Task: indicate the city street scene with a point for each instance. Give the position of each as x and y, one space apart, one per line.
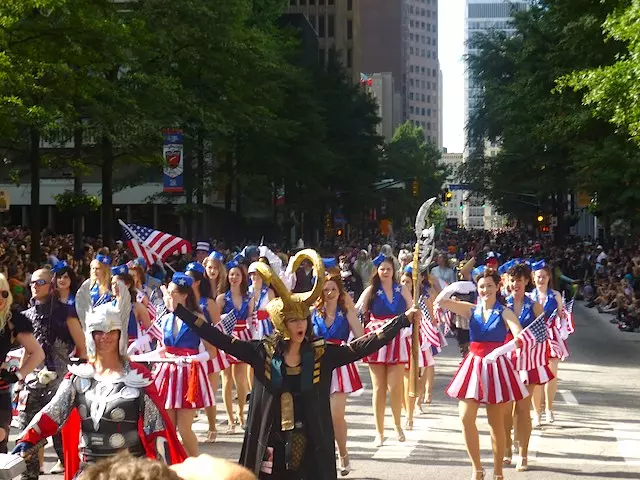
319 239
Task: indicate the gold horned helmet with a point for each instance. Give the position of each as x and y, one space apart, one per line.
289 305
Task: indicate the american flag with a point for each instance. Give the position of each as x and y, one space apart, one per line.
427 329
156 301
154 331
568 314
227 322
153 244
533 351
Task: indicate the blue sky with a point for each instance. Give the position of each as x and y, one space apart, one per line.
451 50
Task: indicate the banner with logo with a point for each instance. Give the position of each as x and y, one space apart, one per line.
173 154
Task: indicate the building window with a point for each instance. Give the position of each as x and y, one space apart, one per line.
423 97
428 98
321 26
330 2
312 21
411 50
349 29
411 108
320 2
428 112
303 2
349 5
422 112
428 125
312 2
331 26
411 9
411 37
292 2
411 82
411 23
349 58
411 68
410 95
321 57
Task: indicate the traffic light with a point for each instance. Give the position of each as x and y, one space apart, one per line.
339 232
449 195
446 195
461 206
415 188
540 218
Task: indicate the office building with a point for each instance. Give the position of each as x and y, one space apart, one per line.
389 101
454 208
401 37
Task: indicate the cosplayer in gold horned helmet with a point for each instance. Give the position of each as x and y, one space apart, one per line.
290 306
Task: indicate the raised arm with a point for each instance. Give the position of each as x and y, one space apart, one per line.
248 352
339 355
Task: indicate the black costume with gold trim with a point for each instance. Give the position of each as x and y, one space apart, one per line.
312 418
289 432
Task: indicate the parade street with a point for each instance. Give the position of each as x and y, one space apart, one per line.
596 433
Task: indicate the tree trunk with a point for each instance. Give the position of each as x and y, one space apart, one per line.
200 178
107 191
34 166
78 217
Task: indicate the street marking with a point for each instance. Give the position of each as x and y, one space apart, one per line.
628 436
534 443
568 397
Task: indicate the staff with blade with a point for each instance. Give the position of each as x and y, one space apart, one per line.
422 256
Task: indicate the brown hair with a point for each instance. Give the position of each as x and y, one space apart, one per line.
244 283
222 284
190 303
126 467
520 270
375 280
335 278
495 276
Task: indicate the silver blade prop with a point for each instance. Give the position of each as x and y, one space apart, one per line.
422 256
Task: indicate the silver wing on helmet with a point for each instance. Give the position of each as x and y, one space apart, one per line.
108 317
83 302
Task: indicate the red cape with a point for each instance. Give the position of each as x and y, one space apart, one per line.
71 432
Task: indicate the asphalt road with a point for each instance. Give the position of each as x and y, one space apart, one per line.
596 434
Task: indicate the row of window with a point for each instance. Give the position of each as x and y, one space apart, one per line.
422 84
425 40
418 69
425 125
336 54
422 12
420 111
497 9
420 97
423 26
421 52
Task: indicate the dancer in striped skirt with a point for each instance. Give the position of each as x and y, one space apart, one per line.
478 379
216 363
519 275
182 380
382 300
236 300
334 318
551 301
261 294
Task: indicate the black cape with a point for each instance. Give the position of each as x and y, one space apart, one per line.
264 405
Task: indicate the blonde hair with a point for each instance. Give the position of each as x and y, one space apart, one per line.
5 311
103 278
221 281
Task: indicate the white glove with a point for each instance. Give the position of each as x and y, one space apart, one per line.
462 288
200 357
492 356
140 344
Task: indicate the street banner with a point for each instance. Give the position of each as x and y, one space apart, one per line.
173 154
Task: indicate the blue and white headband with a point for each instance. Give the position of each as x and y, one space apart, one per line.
104 259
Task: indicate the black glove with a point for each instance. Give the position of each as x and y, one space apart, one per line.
8 376
21 448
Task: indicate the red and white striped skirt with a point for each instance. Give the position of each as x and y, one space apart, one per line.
491 383
393 353
242 332
345 379
425 354
183 386
217 363
537 376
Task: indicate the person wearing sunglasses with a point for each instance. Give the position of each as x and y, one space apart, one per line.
58 334
13 326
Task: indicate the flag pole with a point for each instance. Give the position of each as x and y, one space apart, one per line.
137 238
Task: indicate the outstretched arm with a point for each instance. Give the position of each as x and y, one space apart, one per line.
371 342
248 352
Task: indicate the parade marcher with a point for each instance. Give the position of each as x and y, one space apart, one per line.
236 300
139 320
262 295
551 301
202 251
334 318
527 311
202 291
182 380
287 435
364 267
116 401
427 362
15 328
216 273
98 285
473 384
383 300
58 334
